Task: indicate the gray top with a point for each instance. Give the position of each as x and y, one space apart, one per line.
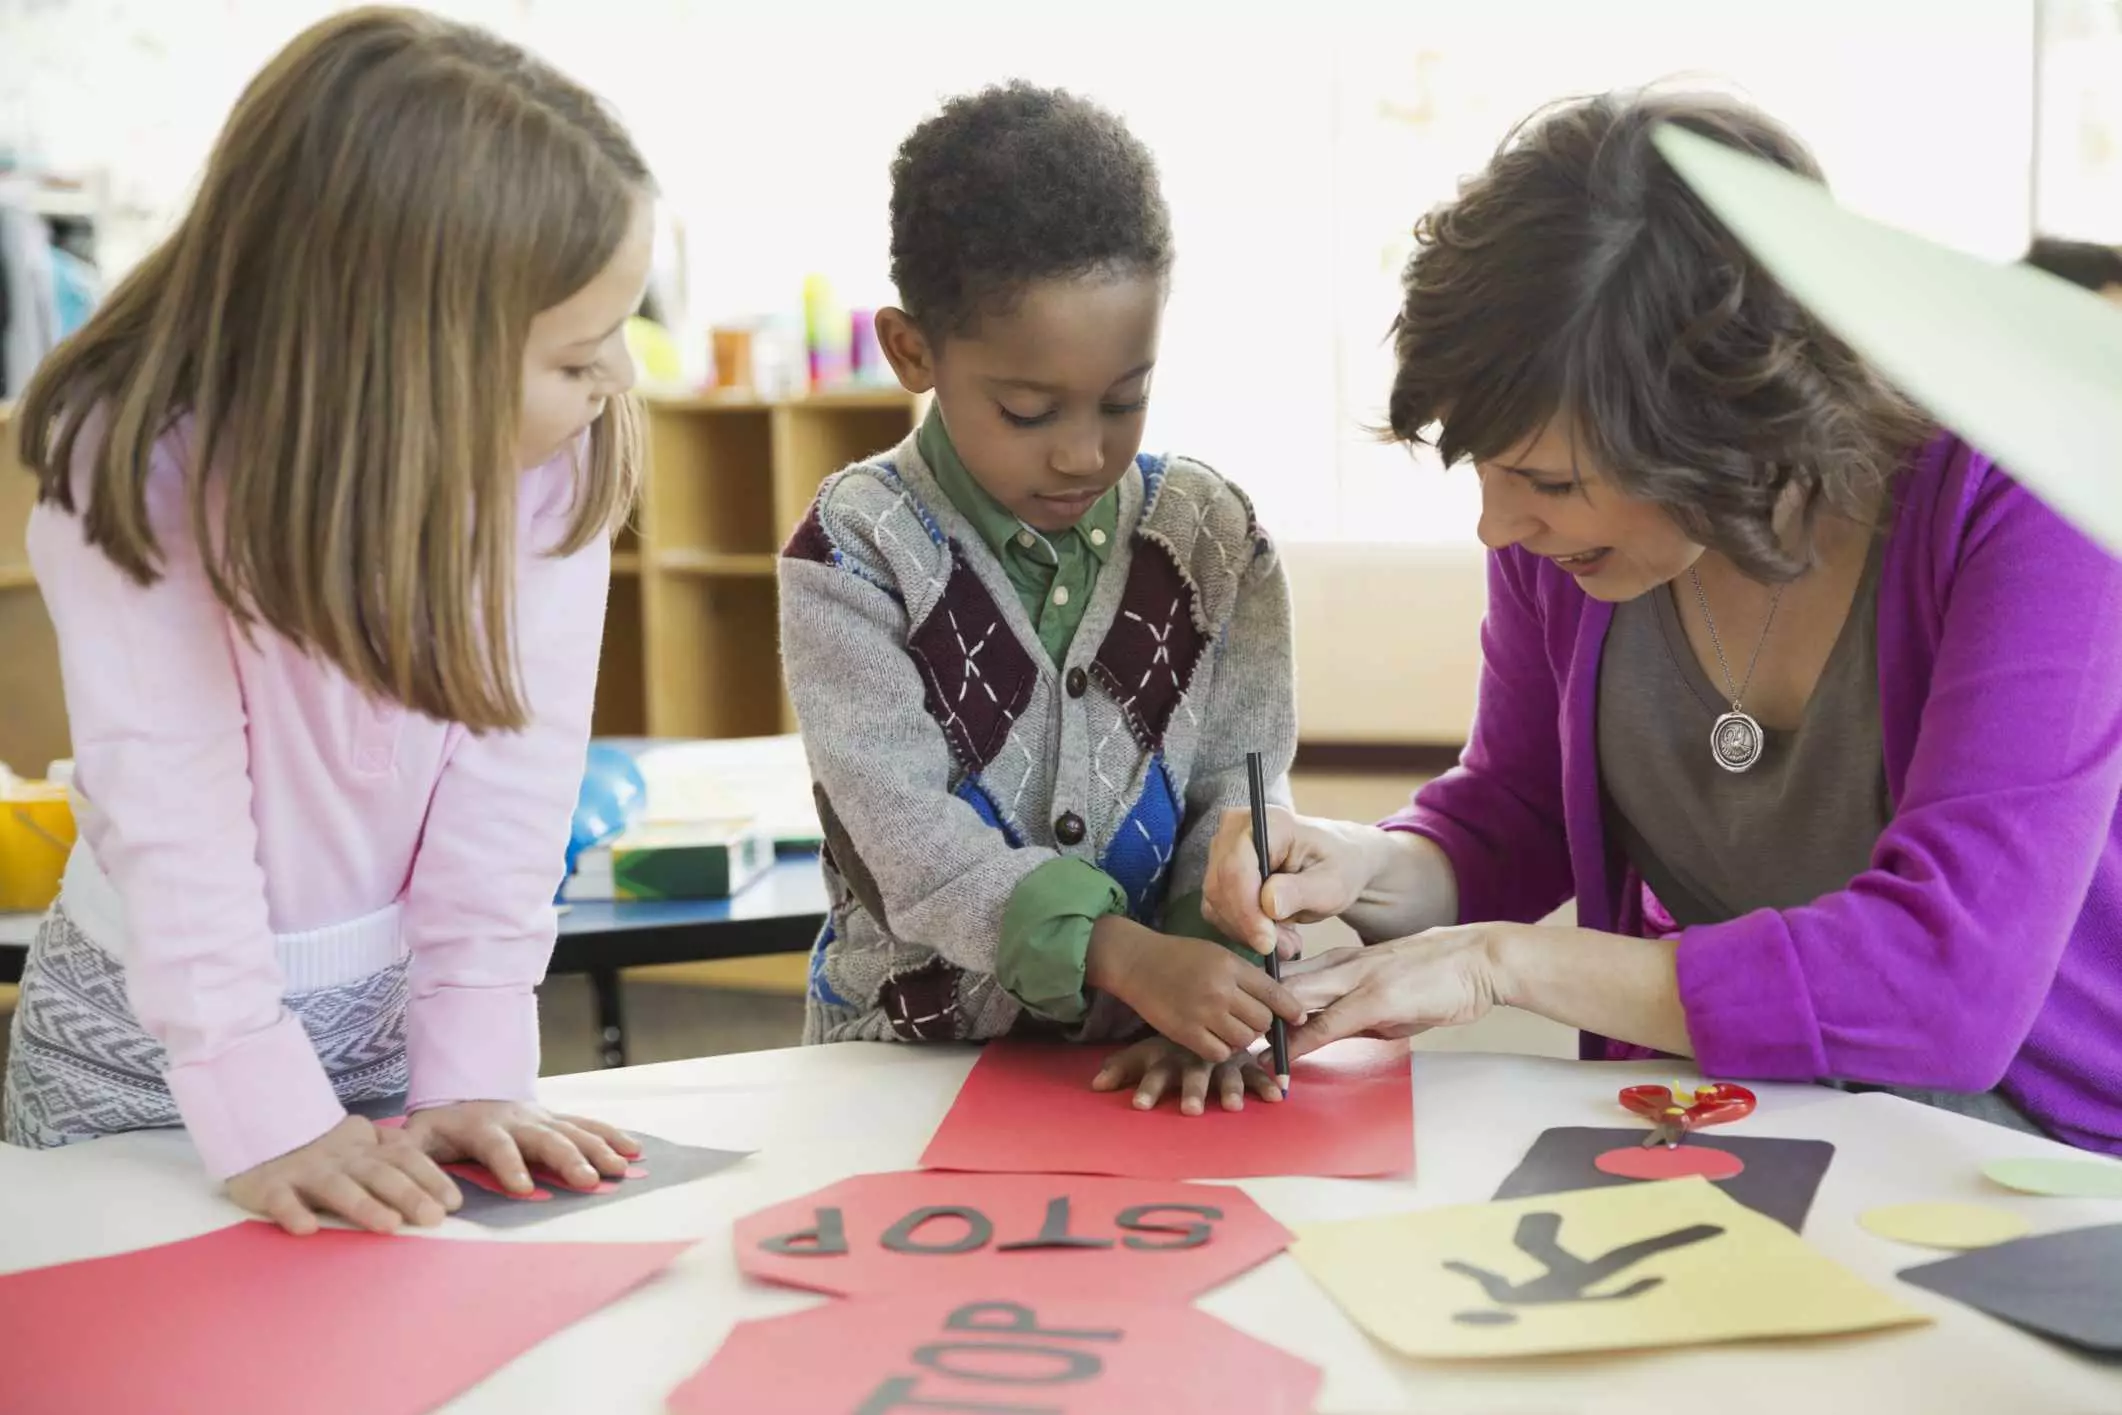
1713 844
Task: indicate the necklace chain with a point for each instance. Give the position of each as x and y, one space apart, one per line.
1737 693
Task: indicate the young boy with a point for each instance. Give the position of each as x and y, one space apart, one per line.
1028 661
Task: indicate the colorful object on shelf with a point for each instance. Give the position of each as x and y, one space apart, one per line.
1776 1178
36 835
654 351
1942 1225
1675 1111
825 333
2066 1286
733 357
1029 1106
674 859
1061 1236
248 1320
613 797
866 364
2058 1178
1637 1266
1000 1353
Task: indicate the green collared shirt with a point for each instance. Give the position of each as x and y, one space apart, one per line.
1054 572
1047 923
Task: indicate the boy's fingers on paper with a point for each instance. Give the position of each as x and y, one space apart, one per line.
1264 1086
396 1189
1155 1079
1230 1084
611 1135
346 1196
400 1150
1193 1088
542 1144
595 1148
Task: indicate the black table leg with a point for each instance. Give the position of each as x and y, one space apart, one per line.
611 1019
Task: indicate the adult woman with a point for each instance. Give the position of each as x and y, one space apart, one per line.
1812 709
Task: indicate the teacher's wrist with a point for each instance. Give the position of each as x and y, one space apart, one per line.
1512 955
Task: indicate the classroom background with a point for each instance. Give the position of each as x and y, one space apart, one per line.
1297 144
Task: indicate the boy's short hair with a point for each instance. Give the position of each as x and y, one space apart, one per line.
1579 275
1013 185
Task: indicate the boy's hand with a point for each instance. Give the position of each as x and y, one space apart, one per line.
508 1137
366 1174
1152 1065
1198 994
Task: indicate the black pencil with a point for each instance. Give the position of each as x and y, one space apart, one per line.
1277 1032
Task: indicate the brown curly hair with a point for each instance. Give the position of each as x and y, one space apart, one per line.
1578 274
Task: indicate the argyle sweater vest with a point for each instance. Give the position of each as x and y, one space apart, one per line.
952 757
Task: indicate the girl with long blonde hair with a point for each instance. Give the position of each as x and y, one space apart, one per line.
326 494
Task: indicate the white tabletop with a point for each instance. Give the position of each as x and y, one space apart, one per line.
820 1114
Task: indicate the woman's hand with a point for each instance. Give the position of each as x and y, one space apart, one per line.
366 1174
1153 1065
1442 978
508 1137
1321 869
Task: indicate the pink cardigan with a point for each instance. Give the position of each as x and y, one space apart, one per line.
237 792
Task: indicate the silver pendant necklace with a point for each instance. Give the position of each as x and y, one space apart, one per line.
1735 739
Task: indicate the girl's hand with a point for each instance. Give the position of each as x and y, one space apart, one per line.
1152 1065
508 1137
1200 994
1442 978
1321 868
364 1173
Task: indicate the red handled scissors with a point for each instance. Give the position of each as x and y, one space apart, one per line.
1673 1113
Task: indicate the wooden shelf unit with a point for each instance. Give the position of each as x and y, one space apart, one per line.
691 642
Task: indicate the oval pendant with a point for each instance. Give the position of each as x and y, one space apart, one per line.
1735 741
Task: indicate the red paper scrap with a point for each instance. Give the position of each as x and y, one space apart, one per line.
1028 1107
250 1320
1060 1235
903 1355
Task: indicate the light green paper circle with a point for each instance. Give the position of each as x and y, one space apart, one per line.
2058 1178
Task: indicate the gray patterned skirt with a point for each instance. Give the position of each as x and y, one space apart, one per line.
79 1064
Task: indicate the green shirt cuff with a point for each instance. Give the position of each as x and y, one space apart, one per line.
1183 917
1046 936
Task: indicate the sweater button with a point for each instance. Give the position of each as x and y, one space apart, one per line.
1069 829
1078 682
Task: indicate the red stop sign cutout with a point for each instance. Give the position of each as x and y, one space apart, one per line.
1060 1235
906 1355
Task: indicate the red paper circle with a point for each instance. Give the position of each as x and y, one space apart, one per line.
1657 1162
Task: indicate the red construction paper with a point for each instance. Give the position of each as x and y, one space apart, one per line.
1176 1240
1040 1355
1680 1162
252 1321
1028 1107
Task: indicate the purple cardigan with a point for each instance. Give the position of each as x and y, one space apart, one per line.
1984 944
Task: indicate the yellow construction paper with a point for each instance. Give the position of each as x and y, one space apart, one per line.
1957 1226
1428 1284
2024 365
2065 1178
